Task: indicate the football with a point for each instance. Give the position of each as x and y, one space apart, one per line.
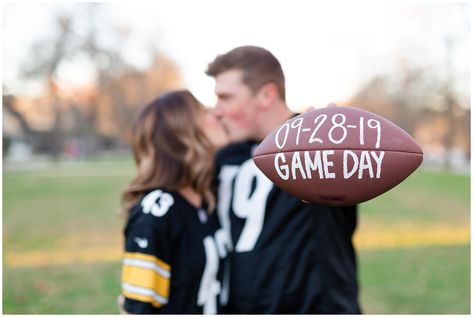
337 156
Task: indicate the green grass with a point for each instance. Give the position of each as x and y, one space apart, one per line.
75 206
84 289
424 197
42 207
433 280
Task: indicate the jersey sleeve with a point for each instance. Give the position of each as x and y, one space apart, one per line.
146 269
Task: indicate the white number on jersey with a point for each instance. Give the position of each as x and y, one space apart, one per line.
250 206
209 285
158 208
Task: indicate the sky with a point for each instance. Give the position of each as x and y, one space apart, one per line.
328 49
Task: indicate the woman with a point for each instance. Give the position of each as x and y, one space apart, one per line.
172 263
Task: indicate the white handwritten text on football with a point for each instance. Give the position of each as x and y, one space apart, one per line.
306 165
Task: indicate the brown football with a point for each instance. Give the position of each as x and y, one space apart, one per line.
338 156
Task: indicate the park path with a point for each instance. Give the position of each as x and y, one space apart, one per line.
380 239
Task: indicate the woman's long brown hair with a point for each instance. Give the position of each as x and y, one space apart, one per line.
170 149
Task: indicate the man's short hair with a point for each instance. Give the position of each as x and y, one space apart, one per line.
258 65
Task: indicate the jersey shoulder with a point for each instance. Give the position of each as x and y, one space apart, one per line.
235 153
154 207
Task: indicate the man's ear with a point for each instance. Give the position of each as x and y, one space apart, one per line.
267 94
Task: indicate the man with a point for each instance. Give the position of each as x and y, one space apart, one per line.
288 256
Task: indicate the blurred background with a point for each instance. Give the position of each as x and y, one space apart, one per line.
75 74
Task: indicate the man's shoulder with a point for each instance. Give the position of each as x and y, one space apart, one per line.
237 148
235 152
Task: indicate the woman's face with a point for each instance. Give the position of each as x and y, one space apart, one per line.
213 129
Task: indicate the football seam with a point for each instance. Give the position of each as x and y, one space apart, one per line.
352 149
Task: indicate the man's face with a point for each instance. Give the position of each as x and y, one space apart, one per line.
237 106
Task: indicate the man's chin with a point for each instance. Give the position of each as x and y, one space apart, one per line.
236 135
237 138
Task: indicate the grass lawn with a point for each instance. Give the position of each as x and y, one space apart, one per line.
68 208
72 289
427 280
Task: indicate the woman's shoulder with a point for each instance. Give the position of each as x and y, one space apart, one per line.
155 205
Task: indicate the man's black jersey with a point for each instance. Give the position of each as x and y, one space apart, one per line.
288 257
173 262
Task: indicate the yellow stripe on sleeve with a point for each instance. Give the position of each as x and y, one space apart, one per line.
148 257
142 298
146 278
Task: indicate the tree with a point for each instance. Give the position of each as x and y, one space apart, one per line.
49 54
419 99
99 112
